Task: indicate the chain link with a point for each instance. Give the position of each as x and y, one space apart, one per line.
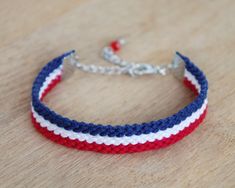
121 66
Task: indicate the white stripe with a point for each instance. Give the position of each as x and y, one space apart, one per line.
135 139
49 79
192 79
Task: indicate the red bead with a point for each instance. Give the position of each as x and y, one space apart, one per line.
115 45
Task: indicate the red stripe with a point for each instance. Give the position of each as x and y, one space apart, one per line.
53 83
121 148
83 145
189 84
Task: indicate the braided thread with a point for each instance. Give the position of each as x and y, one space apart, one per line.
115 131
121 149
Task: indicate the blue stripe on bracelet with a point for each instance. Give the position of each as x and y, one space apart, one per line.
120 130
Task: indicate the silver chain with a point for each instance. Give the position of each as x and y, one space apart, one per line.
121 66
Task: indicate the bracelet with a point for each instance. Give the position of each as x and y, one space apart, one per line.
120 138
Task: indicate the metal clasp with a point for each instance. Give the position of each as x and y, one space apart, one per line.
141 69
125 67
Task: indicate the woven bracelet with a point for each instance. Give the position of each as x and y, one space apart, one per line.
119 138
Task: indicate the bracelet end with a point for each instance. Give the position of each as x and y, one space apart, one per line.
69 60
178 66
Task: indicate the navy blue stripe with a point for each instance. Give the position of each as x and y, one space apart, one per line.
120 130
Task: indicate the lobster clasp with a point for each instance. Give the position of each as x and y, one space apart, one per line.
141 69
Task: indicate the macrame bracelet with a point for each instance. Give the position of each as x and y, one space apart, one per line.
121 138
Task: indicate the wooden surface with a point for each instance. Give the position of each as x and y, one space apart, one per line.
33 32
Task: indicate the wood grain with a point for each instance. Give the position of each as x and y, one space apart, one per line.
33 32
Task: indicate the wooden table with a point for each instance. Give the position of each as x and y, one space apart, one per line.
33 32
